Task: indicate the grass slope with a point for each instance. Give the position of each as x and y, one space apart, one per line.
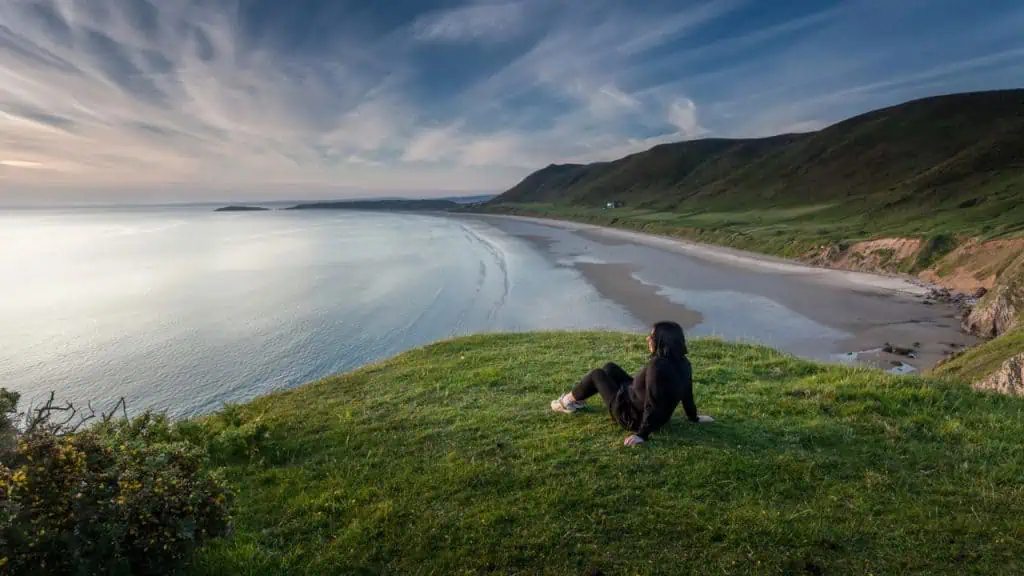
948 164
980 361
788 232
447 460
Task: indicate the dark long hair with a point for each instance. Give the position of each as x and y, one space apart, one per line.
669 341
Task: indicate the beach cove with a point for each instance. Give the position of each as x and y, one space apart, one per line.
816 313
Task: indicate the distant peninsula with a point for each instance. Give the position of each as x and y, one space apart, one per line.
389 204
240 208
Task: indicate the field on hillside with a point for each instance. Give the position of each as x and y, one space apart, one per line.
789 232
448 460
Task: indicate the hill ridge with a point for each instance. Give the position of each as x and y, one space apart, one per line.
936 150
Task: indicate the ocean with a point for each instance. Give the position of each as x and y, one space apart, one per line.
181 309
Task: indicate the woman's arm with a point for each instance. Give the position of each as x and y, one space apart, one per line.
689 406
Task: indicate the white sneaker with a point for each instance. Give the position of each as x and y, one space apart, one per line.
566 403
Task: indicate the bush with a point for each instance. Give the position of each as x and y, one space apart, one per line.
126 496
935 247
239 442
8 430
227 437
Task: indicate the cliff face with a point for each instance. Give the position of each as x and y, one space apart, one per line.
996 365
987 274
1009 379
997 313
1000 310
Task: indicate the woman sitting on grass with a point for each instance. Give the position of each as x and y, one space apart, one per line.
645 402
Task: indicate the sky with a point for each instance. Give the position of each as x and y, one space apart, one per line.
209 99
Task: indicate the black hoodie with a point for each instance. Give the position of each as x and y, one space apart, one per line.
656 390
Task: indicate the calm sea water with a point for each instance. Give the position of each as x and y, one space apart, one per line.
182 309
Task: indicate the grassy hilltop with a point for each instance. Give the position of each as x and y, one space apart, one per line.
447 460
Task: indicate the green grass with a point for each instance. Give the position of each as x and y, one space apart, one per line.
770 232
980 361
447 460
782 232
935 247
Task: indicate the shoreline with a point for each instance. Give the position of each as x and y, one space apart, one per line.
826 314
735 256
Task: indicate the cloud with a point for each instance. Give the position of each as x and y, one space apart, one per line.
498 150
489 21
233 96
19 111
682 114
20 164
431 145
177 93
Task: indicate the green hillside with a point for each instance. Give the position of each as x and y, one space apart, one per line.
448 460
978 362
951 163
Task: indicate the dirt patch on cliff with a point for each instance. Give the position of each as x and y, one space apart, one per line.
894 248
971 266
975 265
881 255
961 280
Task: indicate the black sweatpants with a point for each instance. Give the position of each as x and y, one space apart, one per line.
611 383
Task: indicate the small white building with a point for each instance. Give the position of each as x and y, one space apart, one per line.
613 204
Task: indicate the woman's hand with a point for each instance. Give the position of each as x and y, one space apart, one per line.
702 419
633 440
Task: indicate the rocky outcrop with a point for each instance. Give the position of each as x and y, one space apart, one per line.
1009 379
996 313
964 303
900 350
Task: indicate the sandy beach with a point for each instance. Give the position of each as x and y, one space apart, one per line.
818 313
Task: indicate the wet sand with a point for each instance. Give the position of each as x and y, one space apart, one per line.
812 312
615 282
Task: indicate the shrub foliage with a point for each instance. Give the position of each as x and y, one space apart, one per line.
124 496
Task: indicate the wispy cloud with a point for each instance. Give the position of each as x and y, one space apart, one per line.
494 21
235 95
20 164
